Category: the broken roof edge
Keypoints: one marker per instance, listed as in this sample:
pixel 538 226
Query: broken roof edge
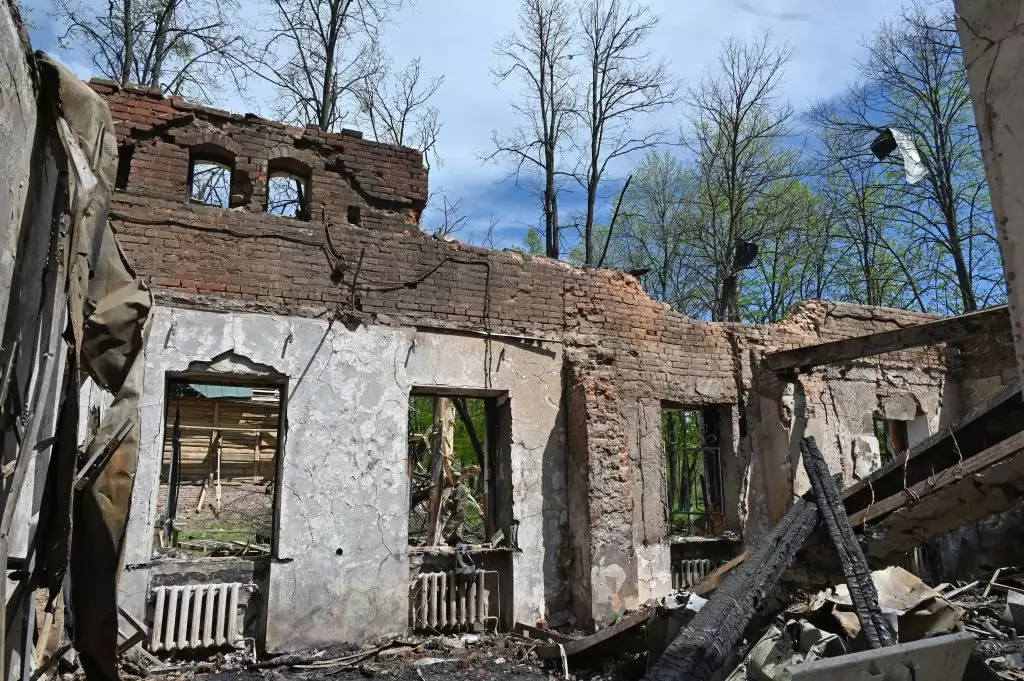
pixel 106 87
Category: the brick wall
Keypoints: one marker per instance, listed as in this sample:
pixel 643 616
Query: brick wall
pixel 244 258
pixel 158 135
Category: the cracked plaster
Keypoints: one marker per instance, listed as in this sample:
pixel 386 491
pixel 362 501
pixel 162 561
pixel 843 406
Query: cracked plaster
pixel 344 483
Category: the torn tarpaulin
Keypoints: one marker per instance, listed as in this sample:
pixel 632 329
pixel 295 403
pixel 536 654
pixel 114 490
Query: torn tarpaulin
pixel 108 308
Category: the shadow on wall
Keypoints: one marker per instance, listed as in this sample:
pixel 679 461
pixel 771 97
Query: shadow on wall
pixel 555 508
pixel 979 548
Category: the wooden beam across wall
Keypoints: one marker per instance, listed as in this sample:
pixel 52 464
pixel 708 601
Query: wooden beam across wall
pixel 949 330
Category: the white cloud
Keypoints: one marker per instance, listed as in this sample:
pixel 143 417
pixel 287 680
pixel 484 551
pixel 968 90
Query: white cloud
pixel 455 38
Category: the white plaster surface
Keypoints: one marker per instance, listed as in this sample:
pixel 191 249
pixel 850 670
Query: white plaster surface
pixel 993 46
pixel 344 484
pixel 653 571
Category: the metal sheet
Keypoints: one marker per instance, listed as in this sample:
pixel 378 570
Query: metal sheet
pixel 941 658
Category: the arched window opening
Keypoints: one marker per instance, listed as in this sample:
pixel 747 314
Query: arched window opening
pixel 287 194
pixel 210 183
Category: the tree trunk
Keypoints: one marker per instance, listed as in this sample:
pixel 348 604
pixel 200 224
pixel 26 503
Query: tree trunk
pixel 129 43
pixel 963 274
pixel 327 93
pixel 442 446
pixel 673 465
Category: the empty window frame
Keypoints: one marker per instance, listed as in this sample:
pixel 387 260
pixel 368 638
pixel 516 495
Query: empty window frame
pixel 287 190
pixel 219 469
pixel 459 471
pixel 694 472
pixel 892 438
pixel 209 182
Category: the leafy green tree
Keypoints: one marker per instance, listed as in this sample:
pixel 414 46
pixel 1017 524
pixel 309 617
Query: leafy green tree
pixel 914 81
pixel 740 126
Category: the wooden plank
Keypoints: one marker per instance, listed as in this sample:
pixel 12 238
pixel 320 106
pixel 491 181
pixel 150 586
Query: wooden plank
pixel 967 498
pixel 950 330
pixel 985 426
pixel 714 580
pixel 1005 449
pixel 580 645
pixel 537 634
pixel 442 444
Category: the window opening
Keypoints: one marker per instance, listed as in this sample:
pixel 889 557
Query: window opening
pixel 287 195
pixel 210 183
pixel 693 462
pixel 457 489
pixel 892 438
pixel 219 470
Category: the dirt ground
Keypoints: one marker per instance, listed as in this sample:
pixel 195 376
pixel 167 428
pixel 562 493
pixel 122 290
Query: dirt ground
pixel 441 658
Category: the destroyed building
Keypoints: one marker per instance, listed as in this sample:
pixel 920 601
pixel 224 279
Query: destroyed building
pixel 300 311
pixel 310 350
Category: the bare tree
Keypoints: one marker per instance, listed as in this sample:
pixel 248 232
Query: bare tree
pixel 451 220
pixel 739 128
pixel 623 81
pixel 181 46
pixel 914 81
pixel 397 108
pixel 539 55
pixel 876 255
pixel 318 53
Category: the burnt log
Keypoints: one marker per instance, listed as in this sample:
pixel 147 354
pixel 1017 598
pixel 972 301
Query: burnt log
pixel 705 645
pixel 855 567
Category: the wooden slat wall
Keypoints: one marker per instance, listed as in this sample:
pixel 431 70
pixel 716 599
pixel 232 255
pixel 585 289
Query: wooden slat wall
pixel 239 424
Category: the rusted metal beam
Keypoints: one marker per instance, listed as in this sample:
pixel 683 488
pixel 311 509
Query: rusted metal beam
pixel 949 330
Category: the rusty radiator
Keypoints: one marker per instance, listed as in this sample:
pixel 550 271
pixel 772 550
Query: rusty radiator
pixel 195 616
pixel 442 601
pixel 687 573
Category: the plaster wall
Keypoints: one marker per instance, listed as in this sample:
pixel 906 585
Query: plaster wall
pixel 837 405
pixel 993 47
pixel 341 570
pixel 18 130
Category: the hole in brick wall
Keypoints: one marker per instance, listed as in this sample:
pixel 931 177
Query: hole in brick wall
pixel 210 183
pixel 693 464
pixel 892 438
pixel 219 469
pixel 354 217
pixel 124 165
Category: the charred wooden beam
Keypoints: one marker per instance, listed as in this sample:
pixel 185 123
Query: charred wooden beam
pixel 950 330
pixel 855 566
pixel 986 484
pixel 704 646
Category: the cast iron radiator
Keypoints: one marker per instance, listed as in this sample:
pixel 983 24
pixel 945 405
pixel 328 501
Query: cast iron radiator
pixel 687 573
pixel 195 616
pixel 443 600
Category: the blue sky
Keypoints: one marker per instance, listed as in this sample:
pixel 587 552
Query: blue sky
pixel 455 38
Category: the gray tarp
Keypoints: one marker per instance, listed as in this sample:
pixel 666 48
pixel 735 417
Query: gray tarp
pixel 108 308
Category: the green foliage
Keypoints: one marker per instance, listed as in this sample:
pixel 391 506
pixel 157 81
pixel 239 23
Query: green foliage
pixel 533 243
pixel 684 461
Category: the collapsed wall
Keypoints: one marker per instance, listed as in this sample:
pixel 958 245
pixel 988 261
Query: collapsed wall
pixel 349 309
